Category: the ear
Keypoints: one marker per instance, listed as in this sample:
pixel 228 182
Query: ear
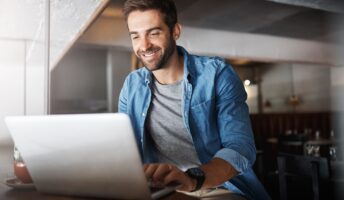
pixel 177 29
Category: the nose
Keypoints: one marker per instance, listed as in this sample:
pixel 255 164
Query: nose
pixel 145 44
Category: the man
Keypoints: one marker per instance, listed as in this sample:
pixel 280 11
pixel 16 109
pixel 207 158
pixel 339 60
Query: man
pixel 188 112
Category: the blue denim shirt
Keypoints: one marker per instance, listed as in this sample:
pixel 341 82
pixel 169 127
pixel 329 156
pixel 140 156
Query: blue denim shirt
pixel 214 113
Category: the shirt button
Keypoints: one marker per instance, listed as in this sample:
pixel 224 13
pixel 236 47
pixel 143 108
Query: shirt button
pixel 143 114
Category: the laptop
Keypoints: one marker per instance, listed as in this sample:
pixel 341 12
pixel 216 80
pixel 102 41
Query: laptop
pixel 90 155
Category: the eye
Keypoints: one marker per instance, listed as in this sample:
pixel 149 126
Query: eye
pixel 134 37
pixel 155 33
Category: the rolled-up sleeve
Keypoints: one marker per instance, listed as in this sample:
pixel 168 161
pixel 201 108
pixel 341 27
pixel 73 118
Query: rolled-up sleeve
pixel 233 121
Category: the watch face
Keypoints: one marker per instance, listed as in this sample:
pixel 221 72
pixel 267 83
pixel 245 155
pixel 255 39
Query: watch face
pixel 196 172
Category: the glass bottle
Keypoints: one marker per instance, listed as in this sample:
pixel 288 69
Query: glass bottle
pixel 19 167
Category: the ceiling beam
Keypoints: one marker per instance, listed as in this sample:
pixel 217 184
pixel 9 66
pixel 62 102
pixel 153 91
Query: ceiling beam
pixel 336 6
pixel 222 43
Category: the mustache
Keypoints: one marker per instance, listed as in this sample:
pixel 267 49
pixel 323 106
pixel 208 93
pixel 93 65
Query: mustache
pixel 150 50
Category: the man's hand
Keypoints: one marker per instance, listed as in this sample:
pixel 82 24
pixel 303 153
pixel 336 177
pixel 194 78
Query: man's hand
pixel 162 174
pixel 217 171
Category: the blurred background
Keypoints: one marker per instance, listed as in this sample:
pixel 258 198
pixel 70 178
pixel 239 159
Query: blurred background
pixel 72 56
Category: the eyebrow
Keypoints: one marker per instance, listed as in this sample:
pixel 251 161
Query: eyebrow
pixel 147 31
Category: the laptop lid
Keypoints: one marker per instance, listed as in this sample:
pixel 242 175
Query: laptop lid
pixel 93 155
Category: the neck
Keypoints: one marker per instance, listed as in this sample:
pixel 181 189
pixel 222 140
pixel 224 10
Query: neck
pixel 172 71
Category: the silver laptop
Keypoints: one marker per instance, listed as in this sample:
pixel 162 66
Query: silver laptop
pixel 92 155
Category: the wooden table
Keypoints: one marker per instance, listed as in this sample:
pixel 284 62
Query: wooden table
pixel 7 193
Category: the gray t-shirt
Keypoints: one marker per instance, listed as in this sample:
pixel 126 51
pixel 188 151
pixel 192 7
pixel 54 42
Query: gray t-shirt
pixel 173 143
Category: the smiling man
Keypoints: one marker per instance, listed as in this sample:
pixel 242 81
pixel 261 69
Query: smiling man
pixel 188 112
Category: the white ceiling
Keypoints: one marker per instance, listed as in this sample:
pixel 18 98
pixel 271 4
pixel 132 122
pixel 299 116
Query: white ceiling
pixel 299 19
pixel 261 30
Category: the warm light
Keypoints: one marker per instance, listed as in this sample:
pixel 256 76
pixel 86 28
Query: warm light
pixel 294 100
pixel 247 82
pixel 20 164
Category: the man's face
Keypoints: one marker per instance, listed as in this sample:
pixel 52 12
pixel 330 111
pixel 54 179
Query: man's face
pixel 151 38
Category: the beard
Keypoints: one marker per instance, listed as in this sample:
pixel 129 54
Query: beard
pixel 160 62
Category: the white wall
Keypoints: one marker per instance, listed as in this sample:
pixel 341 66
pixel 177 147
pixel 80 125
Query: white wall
pixel 277 87
pixel 79 82
pixel 311 83
pixel 21 60
pixel 23 53
pixel 21 80
pixel 11 82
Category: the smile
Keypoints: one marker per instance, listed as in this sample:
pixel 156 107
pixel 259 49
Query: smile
pixel 149 53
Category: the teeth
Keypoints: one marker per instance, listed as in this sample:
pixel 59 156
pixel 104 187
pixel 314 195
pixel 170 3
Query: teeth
pixel 147 54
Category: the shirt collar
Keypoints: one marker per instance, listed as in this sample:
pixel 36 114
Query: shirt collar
pixel 187 69
pixel 148 76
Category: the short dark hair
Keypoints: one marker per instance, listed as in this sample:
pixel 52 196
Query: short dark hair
pixel 166 7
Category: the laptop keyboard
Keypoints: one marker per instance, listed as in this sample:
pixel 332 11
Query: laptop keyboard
pixel 154 188
pixel 158 191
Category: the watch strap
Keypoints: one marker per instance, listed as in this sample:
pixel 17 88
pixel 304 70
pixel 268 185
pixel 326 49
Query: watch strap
pixel 197 174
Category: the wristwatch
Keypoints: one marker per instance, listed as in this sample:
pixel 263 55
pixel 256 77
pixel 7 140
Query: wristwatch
pixel 197 174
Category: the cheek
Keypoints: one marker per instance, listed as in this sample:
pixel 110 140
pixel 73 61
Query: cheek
pixel 135 47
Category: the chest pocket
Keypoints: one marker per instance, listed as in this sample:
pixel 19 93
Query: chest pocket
pixel 203 119
pixel 203 116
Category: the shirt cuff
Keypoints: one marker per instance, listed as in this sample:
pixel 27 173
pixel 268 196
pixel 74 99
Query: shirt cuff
pixel 239 162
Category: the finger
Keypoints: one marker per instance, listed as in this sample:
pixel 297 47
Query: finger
pixel 181 178
pixel 172 176
pixel 150 169
pixel 175 175
pixel 161 171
